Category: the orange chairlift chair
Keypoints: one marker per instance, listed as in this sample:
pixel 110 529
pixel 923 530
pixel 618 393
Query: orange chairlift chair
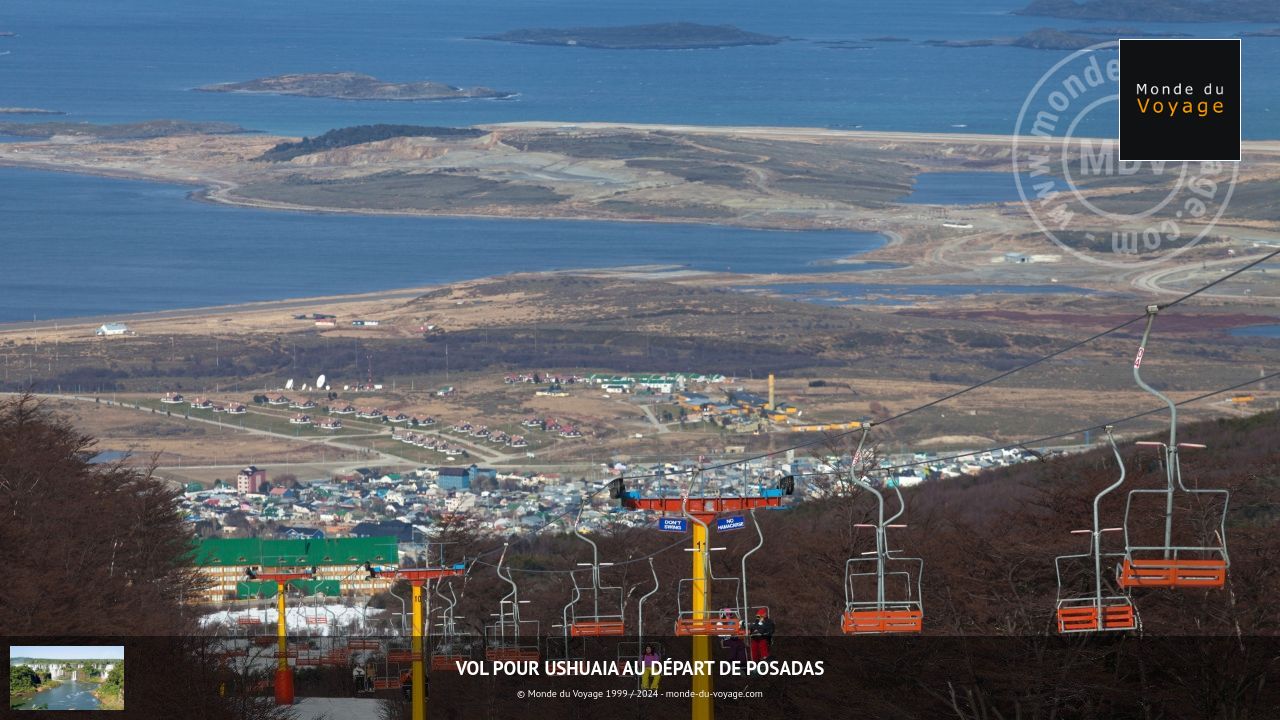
pixel 454 646
pixel 890 612
pixel 1098 611
pixel 593 615
pixel 508 637
pixel 1196 557
pixel 731 619
pixel 700 509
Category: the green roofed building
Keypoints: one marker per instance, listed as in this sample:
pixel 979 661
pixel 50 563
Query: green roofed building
pixel 339 564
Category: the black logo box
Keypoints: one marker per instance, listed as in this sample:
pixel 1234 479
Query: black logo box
pixel 1185 66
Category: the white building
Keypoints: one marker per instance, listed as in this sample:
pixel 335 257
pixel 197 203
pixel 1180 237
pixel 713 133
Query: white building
pixel 111 329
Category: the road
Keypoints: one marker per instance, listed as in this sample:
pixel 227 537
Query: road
pixel 374 456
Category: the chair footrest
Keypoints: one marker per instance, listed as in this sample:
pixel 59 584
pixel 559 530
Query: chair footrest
pixel 708 626
pixel 870 622
pixel 597 628
pixel 1161 573
pixel 511 654
pixel 1087 618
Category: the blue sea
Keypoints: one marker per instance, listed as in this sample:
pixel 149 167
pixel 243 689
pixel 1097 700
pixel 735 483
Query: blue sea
pixel 74 245
pixel 92 246
pixel 129 60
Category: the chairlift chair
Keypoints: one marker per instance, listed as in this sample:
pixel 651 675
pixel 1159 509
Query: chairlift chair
pixel 1173 562
pixel 625 648
pixel 1098 611
pixel 889 612
pixel 453 647
pixel 729 620
pixel 505 637
pixel 593 616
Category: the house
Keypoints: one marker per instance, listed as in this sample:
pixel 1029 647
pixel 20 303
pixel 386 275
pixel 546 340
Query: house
pixel 299 533
pixel 463 478
pixel 747 399
pixel 113 328
pixel 250 479
pixel 454 478
pixel 172 398
pixel 402 532
pixel 694 401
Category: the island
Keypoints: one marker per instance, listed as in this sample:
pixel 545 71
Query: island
pixel 353 86
pixel 1157 10
pixel 123 131
pixel 28 111
pixel 842 45
pixel 1127 32
pixel 1039 39
pixel 661 36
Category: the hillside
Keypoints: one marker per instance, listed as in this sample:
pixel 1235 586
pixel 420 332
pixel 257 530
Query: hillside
pixel 1157 10
pixel 989 591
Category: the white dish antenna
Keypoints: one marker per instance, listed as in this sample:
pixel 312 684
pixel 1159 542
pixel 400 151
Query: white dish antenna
pixel 289 385
pixel 320 381
pixel 304 387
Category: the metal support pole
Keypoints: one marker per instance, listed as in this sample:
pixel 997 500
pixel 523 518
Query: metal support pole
pixel 284 676
pixel 1170 451
pixel 419 677
pixel 703 707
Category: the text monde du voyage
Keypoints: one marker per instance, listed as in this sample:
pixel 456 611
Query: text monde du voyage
pixel 1181 99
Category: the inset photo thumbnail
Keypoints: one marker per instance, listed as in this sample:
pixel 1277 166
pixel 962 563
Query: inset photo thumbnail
pixel 66 677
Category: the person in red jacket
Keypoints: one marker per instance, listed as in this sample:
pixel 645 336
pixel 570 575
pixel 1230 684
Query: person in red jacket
pixel 761 633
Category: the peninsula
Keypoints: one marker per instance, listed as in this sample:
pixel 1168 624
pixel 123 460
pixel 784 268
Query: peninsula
pixel 122 131
pixel 1157 10
pixel 662 36
pixel 1039 39
pixel 353 86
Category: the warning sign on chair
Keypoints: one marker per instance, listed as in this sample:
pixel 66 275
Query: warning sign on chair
pixel 737 522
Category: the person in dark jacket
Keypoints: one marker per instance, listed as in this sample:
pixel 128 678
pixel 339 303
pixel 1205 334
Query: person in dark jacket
pixel 761 632
pixel 250 574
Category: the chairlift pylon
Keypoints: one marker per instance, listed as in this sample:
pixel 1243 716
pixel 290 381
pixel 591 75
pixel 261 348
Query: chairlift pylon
pixel 902 613
pixel 1097 611
pixel 1172 563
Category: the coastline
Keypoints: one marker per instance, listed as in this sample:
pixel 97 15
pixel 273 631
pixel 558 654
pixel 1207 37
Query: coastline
pixel 214 193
